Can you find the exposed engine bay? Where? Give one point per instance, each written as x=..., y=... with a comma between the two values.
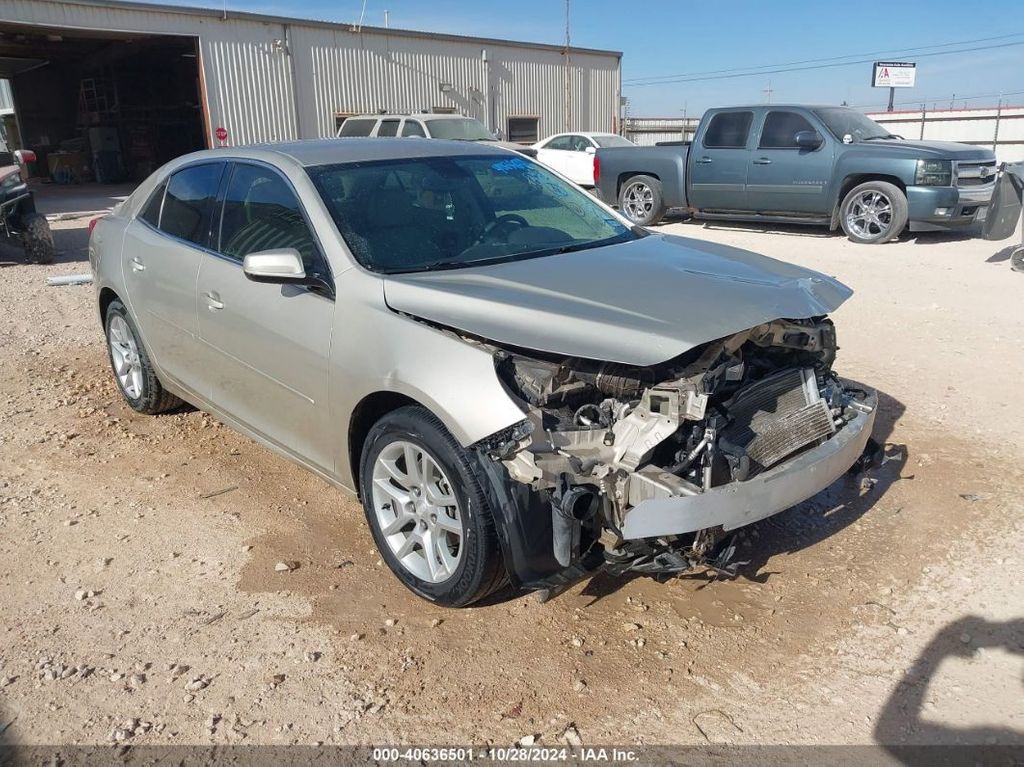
x=606, y=442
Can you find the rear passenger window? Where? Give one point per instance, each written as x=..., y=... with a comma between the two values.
x=412, y=128
x=388, y=128
x=728, y=130
x=780, y=129
x=260, y=213
x=189, y=202
x=356, y=127
x=151, y=213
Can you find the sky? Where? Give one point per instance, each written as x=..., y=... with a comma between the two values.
x=689, y=39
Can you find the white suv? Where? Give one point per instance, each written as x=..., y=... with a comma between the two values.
x=453, y=127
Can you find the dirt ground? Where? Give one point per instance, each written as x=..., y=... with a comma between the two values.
x=140, y=602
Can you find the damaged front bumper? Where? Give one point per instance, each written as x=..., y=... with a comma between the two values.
x=737, y=504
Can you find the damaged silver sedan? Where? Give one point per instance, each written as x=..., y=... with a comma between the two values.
x=517, y=383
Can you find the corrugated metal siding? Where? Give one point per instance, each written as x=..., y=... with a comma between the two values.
x=6, y=99
x=262, y=91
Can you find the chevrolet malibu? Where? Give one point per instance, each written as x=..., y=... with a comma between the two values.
x=517, y=384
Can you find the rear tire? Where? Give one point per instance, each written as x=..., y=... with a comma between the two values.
x=37, y=239
x=874, y=212
x=400, y=502
x=133, y=371
x=641, y=201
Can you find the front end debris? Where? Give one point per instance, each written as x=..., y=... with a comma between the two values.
x=648, y=469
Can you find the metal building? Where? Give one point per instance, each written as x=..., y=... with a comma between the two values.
x=140, y=83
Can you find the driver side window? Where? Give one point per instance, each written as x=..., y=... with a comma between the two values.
x=260, y=212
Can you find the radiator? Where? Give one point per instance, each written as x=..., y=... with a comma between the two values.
x=777, y=416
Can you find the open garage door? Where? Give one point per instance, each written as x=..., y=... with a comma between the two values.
x=105, y=107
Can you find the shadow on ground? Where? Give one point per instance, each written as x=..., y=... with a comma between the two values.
x=901, y=724
x=69, y=199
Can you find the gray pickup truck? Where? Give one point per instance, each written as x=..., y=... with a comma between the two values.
x=823, y=165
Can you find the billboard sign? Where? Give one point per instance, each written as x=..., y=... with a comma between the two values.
x=893, y=74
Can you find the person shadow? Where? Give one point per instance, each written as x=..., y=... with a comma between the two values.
x=902, y=730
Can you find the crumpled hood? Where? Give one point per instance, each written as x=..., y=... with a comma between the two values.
x=638, y=303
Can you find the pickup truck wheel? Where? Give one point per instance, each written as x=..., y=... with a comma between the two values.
x=430, y=519
x=640, y=200
x=874, y=212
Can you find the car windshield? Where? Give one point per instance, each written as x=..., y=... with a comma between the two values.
x=842, y=121
x=608, y=141
x=427, y=213
x=466, y=129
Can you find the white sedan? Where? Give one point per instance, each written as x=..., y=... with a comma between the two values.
x=572, y=154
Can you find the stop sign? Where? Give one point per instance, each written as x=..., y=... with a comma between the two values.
x=221, y=133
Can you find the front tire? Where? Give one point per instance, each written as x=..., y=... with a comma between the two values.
x=133, y=371
x=431, y=521
x=874, y=212
x=641, y=201
x=37, y=239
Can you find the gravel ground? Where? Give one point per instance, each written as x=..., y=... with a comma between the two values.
x=142, y=602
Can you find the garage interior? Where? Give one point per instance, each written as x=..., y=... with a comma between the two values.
x=103, y=107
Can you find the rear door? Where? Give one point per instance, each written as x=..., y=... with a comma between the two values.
x=556, y=153
x=163, y=248
x=268, y=345
x=784, y=177
x=718, y=172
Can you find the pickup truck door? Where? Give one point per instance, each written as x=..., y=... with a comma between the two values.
x=718, y=170
x=785, y=176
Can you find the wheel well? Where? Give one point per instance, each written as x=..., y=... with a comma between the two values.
x=106, y=297
x=624, y=177
x=859, y=178
x=370, y=409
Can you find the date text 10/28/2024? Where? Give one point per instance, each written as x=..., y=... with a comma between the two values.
x=504, y=754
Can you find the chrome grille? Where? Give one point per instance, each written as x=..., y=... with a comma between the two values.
x=777, y=416
x=975, y=173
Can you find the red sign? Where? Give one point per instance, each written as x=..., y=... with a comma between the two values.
x=221, y=133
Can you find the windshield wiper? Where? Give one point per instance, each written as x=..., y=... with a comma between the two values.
x=886, y=137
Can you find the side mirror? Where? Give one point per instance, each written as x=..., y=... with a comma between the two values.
x=808, y=139
x=23, y=156
x=591, y=150
x=282, y=266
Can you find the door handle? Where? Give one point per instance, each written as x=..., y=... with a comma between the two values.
x=213, y=302
x=138, y=266
x=704, y=161
x=762, y=161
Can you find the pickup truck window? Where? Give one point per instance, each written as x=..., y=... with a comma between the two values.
x=412, y=128
x=728, y=130
x=388, y=128
x=780, y=129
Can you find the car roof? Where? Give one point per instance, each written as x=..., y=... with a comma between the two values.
x=340, y=150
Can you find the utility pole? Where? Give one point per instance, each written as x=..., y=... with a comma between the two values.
x=568, y=73
x=892, y=95
x=768, y=91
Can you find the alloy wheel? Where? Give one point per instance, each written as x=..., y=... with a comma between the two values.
x=124, y=353
x=417, y=512
x=638, y=201
x=869, y=215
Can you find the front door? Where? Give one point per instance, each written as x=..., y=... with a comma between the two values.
x=163, y=248
x=718, y=170
x=784, y=177
x=268, y=344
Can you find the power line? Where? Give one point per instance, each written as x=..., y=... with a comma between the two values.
x=941, y=99
x=724, y=74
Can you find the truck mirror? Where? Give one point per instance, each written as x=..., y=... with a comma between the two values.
x=808, y=139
